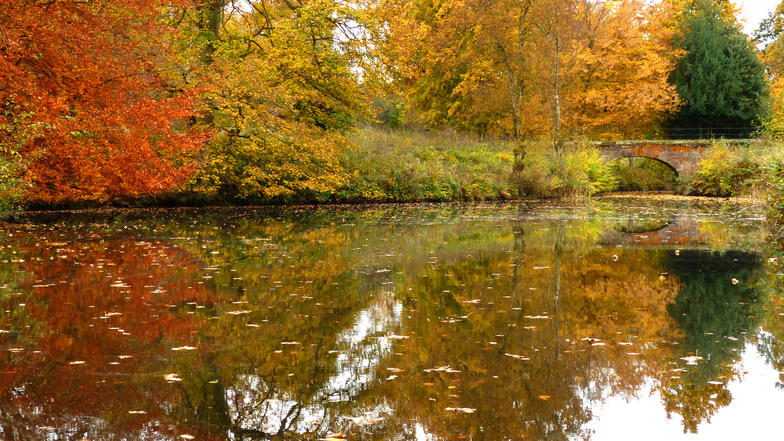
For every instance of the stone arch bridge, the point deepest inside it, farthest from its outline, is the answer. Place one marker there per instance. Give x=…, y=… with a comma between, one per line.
x=681, y=156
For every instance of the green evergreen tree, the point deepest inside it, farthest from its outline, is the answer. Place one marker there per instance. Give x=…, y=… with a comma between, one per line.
x=720, y=79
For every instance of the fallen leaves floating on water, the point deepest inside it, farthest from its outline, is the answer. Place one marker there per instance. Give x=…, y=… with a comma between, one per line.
x=544, y=397
x=692, y=359
x=519, y=357
x=442, y=369
x=365, y=420
x=461, y=409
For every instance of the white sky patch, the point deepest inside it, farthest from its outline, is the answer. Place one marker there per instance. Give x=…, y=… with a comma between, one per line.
x=754, y=11
x=753, y=414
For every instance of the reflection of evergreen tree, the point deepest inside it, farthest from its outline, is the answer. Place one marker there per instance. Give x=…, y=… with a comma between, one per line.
x=715, y=308
x=709, y=308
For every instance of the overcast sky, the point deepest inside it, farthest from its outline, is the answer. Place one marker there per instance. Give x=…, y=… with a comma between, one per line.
x=755, y=10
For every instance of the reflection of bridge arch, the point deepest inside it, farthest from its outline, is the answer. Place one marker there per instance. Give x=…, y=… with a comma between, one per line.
x=634, y=225
x=677, y=232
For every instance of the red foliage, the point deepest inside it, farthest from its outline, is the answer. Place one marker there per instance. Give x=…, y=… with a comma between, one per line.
x=94, y=335
x=84, y=97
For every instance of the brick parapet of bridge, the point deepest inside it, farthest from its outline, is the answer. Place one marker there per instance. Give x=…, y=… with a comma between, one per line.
x=682, y=156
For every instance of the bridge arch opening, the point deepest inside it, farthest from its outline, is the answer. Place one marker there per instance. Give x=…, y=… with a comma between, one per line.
x=643, y=173
x=650, y=158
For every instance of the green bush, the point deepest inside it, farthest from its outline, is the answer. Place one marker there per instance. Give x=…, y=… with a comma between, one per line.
x=398, y=166
x=724, y=171
x=390, y=112
x=579, y=171
x=17, y=131
x=775, y=174
x=643, y=174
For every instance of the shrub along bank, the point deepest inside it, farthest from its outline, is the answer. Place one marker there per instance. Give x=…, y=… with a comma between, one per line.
x=400, y=166
x=383, y=165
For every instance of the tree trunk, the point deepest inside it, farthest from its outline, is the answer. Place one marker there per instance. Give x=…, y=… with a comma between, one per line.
x=209, y=15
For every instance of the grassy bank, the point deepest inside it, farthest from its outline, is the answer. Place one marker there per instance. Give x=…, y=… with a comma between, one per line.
x=382, y=165
x=402, y=166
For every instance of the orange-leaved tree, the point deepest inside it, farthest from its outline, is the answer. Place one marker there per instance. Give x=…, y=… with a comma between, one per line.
x=87, y=112
x=625, y=92
x=550, y=70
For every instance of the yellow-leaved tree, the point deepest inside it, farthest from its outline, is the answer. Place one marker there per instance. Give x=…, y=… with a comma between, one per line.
x=542, y=69
x=282, y=83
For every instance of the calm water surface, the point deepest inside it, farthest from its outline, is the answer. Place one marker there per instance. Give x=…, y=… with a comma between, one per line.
x=611, y=320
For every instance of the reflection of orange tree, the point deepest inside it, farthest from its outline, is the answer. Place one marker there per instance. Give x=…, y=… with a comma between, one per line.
x=87, y=327
x=616, y=298
x=285, y=281
x=523, y=364
x=695, y=395
x=273, y=366
x=293, y=284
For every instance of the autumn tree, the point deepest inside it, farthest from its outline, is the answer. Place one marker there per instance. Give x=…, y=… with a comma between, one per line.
x=87, y=111
x=725, y=8
x=721, y=78
x=624, y=79
x=769, y=35
x=543, y=69
x=282, y=84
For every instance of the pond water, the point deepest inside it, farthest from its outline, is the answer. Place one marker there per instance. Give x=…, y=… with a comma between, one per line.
x=607, y=320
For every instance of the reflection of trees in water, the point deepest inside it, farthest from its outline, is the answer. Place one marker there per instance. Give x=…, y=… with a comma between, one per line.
x=770, y=339
x=398, y=330
x=715, y=315
x=87, y=322
x=546, y=305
